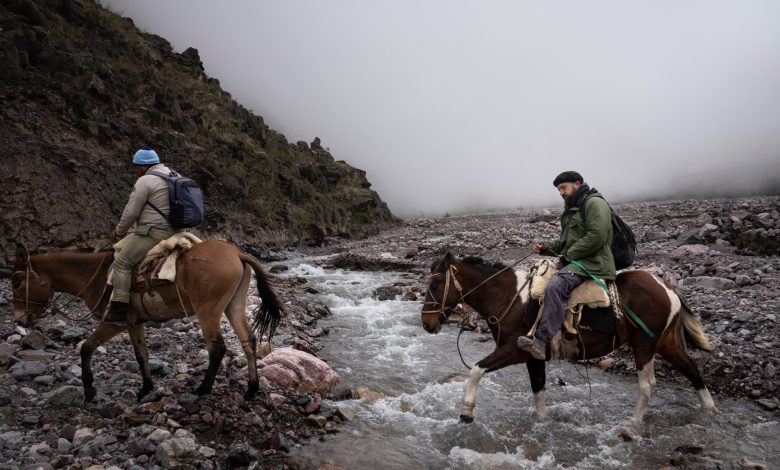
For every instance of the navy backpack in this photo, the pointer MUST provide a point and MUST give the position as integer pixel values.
(185, 198)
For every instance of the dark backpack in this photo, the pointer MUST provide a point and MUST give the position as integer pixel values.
(623, 239)
(185, 198)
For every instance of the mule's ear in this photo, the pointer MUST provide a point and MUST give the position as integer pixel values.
(22, 256)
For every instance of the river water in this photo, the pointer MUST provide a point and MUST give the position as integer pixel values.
(381, 345)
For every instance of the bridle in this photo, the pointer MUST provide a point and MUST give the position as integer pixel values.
(27, 273)
(450, 276)
(54, 308)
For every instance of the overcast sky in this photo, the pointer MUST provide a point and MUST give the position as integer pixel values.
(455, 105)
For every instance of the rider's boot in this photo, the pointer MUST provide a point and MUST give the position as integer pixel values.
(117, 314)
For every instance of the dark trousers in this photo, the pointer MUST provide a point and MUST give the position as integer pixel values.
(555, 299)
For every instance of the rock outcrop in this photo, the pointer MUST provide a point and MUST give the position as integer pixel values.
(82, 88)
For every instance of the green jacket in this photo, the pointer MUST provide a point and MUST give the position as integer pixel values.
(586, 241)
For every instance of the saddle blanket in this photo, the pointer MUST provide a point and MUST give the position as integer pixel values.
(589, 293)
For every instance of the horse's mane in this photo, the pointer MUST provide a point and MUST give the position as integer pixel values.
(478, 261)
(474, 261)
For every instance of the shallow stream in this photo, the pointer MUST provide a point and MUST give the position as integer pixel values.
(381, 345)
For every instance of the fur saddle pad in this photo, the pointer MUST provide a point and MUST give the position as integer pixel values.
(588, 293)
(160, 261)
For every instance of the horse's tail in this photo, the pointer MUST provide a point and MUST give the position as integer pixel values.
(692, 328)
(268, 314)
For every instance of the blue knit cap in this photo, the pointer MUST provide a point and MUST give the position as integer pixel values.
(146, 156)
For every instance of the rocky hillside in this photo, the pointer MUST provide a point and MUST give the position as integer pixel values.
(82, 88)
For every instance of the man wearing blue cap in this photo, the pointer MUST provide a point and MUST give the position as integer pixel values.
(586, 240)
(151, 227)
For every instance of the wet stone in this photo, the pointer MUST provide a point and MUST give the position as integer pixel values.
(7, 417)
(27, 370)
(768, 404)
(177, 452)
(140, 446)
(67, 395)
(12, 440)
(35, 340)
(73, 334)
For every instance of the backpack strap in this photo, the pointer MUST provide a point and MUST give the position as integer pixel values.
(167, 179)
(582, 205)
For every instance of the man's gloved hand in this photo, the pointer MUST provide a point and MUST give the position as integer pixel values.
(114, 237)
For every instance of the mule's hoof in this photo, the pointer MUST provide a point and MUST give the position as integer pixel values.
(466, 419)
(202, 390)
(89, 394)
(251, 392)
(142, 393)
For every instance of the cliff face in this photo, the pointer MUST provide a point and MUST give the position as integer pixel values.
(82, 88)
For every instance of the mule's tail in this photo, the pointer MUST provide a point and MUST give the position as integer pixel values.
(692, 327)
(268, 314)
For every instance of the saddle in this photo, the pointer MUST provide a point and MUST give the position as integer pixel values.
(588, 307)
(159, 265)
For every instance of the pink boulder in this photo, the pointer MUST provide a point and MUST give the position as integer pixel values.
(298, 370)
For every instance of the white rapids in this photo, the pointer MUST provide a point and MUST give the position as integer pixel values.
(381, 345)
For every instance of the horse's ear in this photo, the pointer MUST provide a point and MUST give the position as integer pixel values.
(441, 265)
(22, 256)
(449, 258)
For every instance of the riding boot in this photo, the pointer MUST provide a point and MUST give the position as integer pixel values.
(117, 314)
(533, 346)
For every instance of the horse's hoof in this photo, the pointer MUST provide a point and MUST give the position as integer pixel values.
(202, 390)
(89, 395)
(466, 419)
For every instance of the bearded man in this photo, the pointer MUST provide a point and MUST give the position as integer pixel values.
(585, 240)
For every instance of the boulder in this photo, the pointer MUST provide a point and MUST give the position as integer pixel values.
(708, 282)
(651, 236)
(178, 452)
(386, 292)
(298, 370)
(68, 395)
(27, 370)
(35, 340)
(689, 237)
(688, 250)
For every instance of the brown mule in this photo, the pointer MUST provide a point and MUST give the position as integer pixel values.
(212, 279)
(501, 296)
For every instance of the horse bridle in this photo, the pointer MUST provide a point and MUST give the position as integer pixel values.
(449, 276)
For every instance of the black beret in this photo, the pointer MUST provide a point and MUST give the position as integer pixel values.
(567, 177)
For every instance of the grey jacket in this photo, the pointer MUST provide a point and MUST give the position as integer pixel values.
(148, 188)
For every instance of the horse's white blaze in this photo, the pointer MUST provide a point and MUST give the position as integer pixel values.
(706, 399)
(521, 276)
(470, 397)
(674, 301)
(646, 385)
(541, 409)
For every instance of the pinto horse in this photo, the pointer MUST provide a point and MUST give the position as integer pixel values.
(502, 296)
(212, 278)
